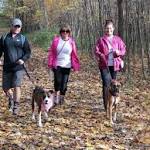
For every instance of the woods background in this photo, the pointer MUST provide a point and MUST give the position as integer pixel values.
(81, 123)
(87, 18)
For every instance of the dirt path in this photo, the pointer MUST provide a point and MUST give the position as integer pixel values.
(80, 123)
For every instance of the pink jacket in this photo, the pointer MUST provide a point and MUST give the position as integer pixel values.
(102, 52)
(52, 54)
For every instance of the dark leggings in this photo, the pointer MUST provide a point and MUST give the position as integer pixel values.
(61, 76)
(107, 75)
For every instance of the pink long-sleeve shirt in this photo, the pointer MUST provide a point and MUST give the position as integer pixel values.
(102, 52)
(52, 54)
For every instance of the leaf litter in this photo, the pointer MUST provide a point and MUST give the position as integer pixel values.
(81, 122)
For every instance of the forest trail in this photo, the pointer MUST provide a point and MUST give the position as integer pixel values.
(80, 123)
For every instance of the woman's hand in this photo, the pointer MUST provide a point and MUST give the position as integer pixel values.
(116, 53)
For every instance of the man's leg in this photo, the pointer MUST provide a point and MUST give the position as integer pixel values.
(9, 94)
(7, 85)
(16, 95)
(16, 83)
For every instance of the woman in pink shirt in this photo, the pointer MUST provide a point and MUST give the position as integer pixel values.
(109, 51)
(62, 56)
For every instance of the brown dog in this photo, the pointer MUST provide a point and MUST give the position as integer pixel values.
(112, 100)
(44, 100)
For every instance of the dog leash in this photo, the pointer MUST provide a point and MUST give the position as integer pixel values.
(25, 69)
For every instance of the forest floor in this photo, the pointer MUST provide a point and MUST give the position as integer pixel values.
(80, 123)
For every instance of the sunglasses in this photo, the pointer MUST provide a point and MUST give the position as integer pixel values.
(63, 31)
(17, 26)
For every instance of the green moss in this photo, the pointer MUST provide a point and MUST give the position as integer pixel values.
(42, 38)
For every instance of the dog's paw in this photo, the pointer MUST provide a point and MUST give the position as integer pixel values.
(46, 116)
(115, 117)
(33, 118)
(112, 123)
(40, 125)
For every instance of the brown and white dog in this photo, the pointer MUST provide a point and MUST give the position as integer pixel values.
(113, 99)
(44, 100)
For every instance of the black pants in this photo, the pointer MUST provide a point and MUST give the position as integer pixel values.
(61, 76)
(107, 75)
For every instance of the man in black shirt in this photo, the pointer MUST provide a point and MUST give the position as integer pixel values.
(16, 50)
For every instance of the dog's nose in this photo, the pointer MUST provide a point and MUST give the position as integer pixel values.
(46, 101)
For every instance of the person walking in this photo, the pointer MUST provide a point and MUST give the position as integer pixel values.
(109, 51)
(62, 57)
(16, 50)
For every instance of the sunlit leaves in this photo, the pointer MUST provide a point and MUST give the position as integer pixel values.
(81, 122)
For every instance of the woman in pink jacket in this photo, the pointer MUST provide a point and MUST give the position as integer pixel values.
(109, 52)
(62, 56)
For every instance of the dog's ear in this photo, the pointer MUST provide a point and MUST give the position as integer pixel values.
(122, 82)
(51, 91)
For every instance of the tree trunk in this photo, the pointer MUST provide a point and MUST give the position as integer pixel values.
(141, 44)
(100, 17)
(87, 24)
(44, 22)
(120, 18)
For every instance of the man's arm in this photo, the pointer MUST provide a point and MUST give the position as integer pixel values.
(27, 50)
